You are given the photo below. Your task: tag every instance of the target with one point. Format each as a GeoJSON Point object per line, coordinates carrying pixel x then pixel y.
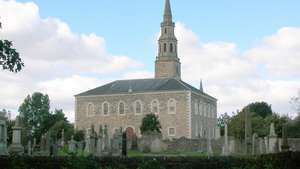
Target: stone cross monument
{"type": "Point", "coordinates": [16, 146]}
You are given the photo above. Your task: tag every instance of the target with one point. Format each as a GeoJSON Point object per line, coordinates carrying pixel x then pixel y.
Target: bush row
{"type": "Point", "coordinates": [289, 160]}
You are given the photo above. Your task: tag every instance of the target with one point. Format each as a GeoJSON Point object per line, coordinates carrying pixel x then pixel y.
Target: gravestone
{"type": "Point", "coordinates": [248, 131]}
{"type": "Point", "coordinates": [225, 147]}
{"type": "Point", "coordinates": [16, 146]}
{"type": "Point", "coordinates": [262, 146]}
{"type": "Point", "coordinates": [273, 142]}
{"type": "Point", "coordinates": [29, 149]}
{"type": "Point", "coordinates": [72, 145]}
{"type": "Point", "coordinates": [285, 145]}
{"type": "Point", "coordinates": [254, 152]}
{"type": "Point", "coordinates": [87, 145]}
{"type": "Point", "coordinates": [266, 141]}
{"type": "Point", "coordinates": [106, 139]}
{"type": "Point", "coordinates": [3, 133]}
{"type": "Point", "coordinates": [116, 143]}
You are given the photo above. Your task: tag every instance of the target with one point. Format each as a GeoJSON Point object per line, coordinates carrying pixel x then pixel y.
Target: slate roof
{"type": "Point", "coordinates": [142, 85]}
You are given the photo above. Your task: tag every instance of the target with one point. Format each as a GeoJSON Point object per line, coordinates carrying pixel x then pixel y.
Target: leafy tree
{"type": "Point", "coordinates": [35, 112]}
{"type": "Point", "coordinates": [295, 101]}
{"type": "Point", "coordinates": [9, 57]}
{"type": "Point", "coordinates": [150, 123]}
{"type": "Point", "coordinates": [262, 109]}
{"type": "Point", "coordinates": [294, 127]}
{"type": "Point", "coordinates": [79, 135]}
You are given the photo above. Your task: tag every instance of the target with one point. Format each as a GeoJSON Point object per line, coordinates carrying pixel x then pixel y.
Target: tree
{"type": "Point", "coordinates": [35, 113]}
{"type": "Point", "coordinates": [150, 123]}
{"type": "Point", "coordinates": [79, 135]}
{"type": "Point", "coordinates": [262, 109]}
{"type": "Point", "coordinates": [9, 57]}
{"type": "Point", "coordinates": [295, 101]}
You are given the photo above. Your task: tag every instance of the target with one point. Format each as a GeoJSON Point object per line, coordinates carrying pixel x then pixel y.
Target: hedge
{"type": "Point", "coordinates": [289, 160]}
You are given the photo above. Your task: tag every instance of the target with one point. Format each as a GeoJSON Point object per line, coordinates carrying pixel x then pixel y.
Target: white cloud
{"type": "Point", "coordinates": [234, 77]}
{"type": "Point", "coordinates": [55, 58]}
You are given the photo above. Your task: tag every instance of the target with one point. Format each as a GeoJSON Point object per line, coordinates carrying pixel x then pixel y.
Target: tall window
{"type": "Point", "coordinates": [105, 108]}
{"type": "Point", "coordinates": [172, 106]}
{"type": "Point", "coordinates": [171, 47]}
{"type": "Point", "coordinates": [196, 107]}
{"type": "Point", "coordinates": [138, 107]}
{"type": "Point", "coordinates": [165, 47]}
{"type": "Point", "coordinates": [165, 30]}
{"type": "Point", "coordinates": [90, 109]}
{"type": "Point", "coordinates": [121, 108]}
{"type": "Point", "coordinates": [155, 107]}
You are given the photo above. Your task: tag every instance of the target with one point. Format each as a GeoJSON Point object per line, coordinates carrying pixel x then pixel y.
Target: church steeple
{"type": "Point", "coordinates": [167, 64]}
{"type": "Point", "coordinates": [167, 12]}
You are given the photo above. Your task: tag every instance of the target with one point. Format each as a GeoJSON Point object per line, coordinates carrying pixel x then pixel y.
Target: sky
{"type": "Point", "coordinates": [244, 51]}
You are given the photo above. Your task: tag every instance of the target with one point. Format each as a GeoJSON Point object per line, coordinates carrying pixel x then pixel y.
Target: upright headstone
{"type": "Point", "coordinates": [209, 148]}
{"type": "Point", "coordinates": [116, 143]}
{"type": "Point", "coordinates": [262, 146]}
{"type": "Point", "coordinates": [29, 149]}
{"type": "Point", "coordinates": [266, 141]}
{"type": "Point", "coordinates": [226, 147]}
{"type": "Point", "coordinates": [273, 144]}
{"type": "Point", "coordinates": [87, 145]}
{"type": "Point", "coordinates": [106, 139]}
{"type": "Point", "coordinates": [16, 146]}
{"type": "Point", "coordinates": [72, 145]}
{"type": "Point", "coordinates": [248, 131]}
{"type": "Point", "coordinates": [285, 145]}
{"type": "Point", "coordinates": [3, 133]}
{"type": "Point", "coordinates": [253, 144]}
{"type": "Point", "coordinates": [93, 137]}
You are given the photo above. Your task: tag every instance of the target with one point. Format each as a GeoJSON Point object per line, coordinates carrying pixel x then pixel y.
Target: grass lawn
{"type": "Point", "coordinates": [133, 153]}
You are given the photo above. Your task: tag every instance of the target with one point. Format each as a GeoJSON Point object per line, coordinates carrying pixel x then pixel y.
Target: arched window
{"type": "Point", "coordinates": [121, 108]}
{"type": "Point", "coordinates": [105, 108]}
{"type": "Point", "coordinates": [171, 47]}
{"type": "Point", "coordinates": [172, 106]}
{"type": "Point", "coordinates": [159, 47]}
{"type": "Point", "coordinates": [138, 107]}
{"type": "Point", "coordinates": [90, 109]}
{"type": "Point", "coordinates": [155, 106]}
{"type": "Point", "coordinates": [165, 47]}
{"type": "Point", "coordinates": [165, 30]}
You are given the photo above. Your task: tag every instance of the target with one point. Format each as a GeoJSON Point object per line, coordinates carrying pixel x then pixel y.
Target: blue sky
{"type": "Point", "coordinates": [245, 51]}
{"type": "Point", "coordinates": [240, 22]}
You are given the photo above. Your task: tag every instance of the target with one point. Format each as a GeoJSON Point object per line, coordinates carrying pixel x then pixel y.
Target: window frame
{"type": "Point", "coordinates": [152, 102]}
{"type": "Point", "coordinates": [108, 109]}
{"type": "Point", "coordinates": [169, 134]}
{"type": "Point", "coordinates": [169, 106]}
{"type": "Point", "coordinates": [135, 107]}
{"type": "Point", "coordinates": [92, 113]}
{"type": "Point", "coordinates": [124, 108]}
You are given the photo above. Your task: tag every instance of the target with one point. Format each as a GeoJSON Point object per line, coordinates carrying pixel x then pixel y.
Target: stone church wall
{"type": "Point", "coordinates": [114, 120]}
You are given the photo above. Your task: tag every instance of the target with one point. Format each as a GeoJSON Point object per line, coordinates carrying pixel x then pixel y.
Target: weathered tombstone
{"type": "Point", "coordinates": [253, 144]}
{"type": "Point", "coordinates": [266, 140]}
{"type": "Point", "coordinates": [87, 145]}
{"type": "Point", "coordinates": [273, 140]}
{"type": "Point", "coordinates": [106, 139]}
{"type": "Point", "coordinates": [29, 149]}
{"type": "Point", "coordinates": [99, 146]}
{"type": "Point", "coordinates": [93, 142]}
{"type": "Point", "coordinates": [116, 143]}
{"type": "Point", "coordinates": [248, 131]}
{"type": "Point", "coordinates": [262, 146]}
{"type": "Point", "coordinates": [285, 145]}
{"type": "Point", "coordinates": [3, 133]}
{"type": "Point", "coordinates": [16, 146]}
{"type": "Point", "coordinates": [72, 145]}
{"type": "Point", "coordinates": [34, 146]}
{"type": "Point", "coordinates": [226, 148]}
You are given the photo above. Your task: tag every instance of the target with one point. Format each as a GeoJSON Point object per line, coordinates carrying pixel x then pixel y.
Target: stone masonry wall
{"type": "Point", "coordinates": [114, 120]}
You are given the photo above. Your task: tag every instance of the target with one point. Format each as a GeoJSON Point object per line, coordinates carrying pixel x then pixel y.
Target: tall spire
{"type": "Point", "coordinates": [167, 12]}
{"type": "Point", "coordinates": [201, 86]}
{"type": "Point", "coordinates": [167, 64]}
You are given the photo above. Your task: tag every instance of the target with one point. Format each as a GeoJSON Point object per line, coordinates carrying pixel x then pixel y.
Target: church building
{"type": "Point", "coordinates": [183, 110]}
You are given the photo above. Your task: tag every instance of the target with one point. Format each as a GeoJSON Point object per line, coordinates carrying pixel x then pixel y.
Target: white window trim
{"type": "Point", "coordinates": [87, 110]}
{"type": "Point", "coordinates": [119, 108]}
{"type": "Point", "coordinates": [172, 135]}
{"type": "Point", "coordinates": [196, 106]}
{"type": "Point", "coordinates": [134, 106]}
{"type": "Point", "coordinates": [169, 106]}
{"type": "Point", "coordinates": [108, 111]}
{"type": "Point", "coordinates": [155, 100]}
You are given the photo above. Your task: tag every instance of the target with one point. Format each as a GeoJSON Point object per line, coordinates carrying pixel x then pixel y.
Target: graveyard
{"type": "Point", "coordinates": [60, 107]}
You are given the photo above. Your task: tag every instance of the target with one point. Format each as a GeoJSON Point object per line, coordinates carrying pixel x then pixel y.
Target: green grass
{"type": "Point", "coordinates": [133, 153]}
